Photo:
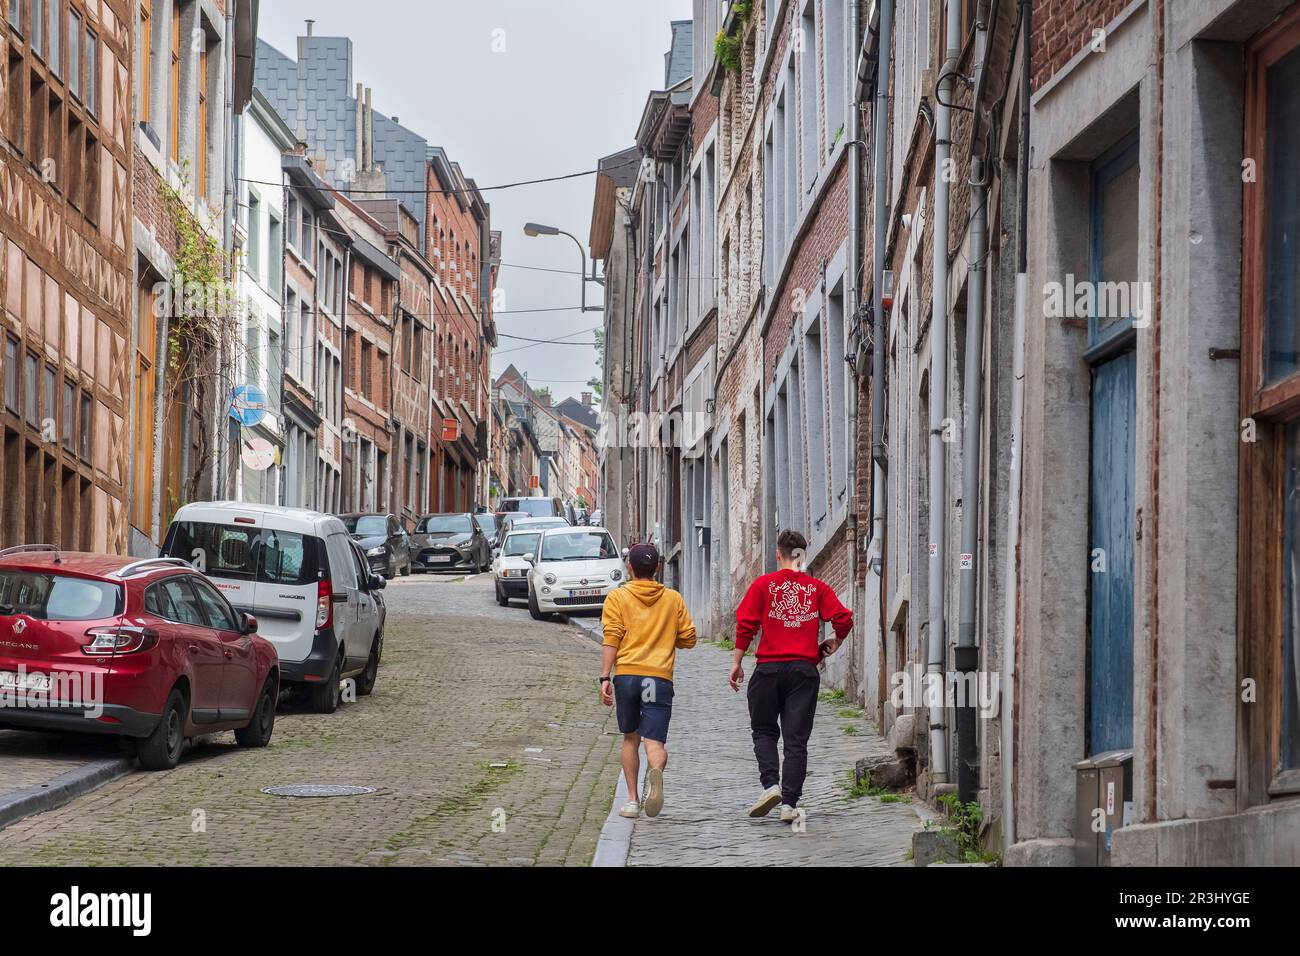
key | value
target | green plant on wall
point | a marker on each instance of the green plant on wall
(727, 49)
(197, 268)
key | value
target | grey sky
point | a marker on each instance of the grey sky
(568, 88)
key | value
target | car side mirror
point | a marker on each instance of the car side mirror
(249, 625)
(377, 583)
(625, 552)
(528, 558)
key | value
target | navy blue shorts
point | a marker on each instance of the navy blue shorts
(644, 705)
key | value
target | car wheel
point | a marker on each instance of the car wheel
(161, 750)
(501, 597)
(258, 731)
(366, 682)
(534, 610)
(325, 696)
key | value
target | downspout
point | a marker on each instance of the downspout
(939, 398)
(230, 167)
(967, 653)
(854, 297)
(880, 221)
(1010, 576)
(284, 339)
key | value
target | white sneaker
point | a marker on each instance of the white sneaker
(766, 801)
(654, 792)
(788, 813)
(630, 809)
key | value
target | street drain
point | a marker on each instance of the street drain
(318, 790)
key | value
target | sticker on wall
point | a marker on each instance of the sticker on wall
(967, 561)
(258, 454)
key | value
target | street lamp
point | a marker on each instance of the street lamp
(537, 229)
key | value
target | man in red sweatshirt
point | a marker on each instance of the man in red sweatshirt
(789, 607)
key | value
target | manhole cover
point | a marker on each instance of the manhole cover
(318, 790)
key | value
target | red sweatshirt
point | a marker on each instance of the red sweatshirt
(789, 606)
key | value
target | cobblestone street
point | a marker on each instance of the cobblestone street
(464, 685)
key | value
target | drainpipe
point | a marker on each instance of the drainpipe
(1010, 577)
(880, 214)
(939, 396)
(967, 654)
(854, 291)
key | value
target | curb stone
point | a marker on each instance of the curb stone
(62, 789)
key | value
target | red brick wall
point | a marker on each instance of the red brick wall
(1062, 28)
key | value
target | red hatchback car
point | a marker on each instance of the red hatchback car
(149, 650)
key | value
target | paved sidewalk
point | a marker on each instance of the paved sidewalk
(712, 778)
(41, 771)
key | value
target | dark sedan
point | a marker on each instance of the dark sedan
(383, 539)
(450, 542)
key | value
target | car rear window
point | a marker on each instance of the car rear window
(445, 524)
(488, 522)
(366, 525)
(537, 507)
(262, 555)
(57, 597)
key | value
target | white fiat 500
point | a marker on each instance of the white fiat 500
(510, 567)
(573, 569)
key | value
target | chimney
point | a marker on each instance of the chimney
(361, 127)
(311, 27)
(370, 131)
(586, 399)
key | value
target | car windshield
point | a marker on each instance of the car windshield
(241, 553)
(367, 525)
(578, 546)
(541, 524)
(57, 597)
(521, 543)
(487, 521)
(444, 524)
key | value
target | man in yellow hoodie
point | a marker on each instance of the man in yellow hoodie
(644, 624)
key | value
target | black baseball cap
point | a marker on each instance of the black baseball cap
(644, 558)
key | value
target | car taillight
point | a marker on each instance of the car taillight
(324, 604)
(127, 639)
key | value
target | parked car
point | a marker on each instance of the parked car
(581, 517)
(521, 519)
(510, 568)
(298, 572)
(450, 542)
(535, 507)
(573, 569)
(383, 539)
(489, 523)
(148, 650)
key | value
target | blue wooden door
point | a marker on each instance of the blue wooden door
(1111, 544)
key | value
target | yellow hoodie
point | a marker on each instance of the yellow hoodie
(647, 622)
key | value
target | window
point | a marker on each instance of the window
(87, 427)
(204, 119)
(836, 55)
(69, 416)
(254, 226)
(810, 105)
(16, 15)
(92, 72)
(74, 53)
(55, 19)
(275, 254)
(1270, 495)
(839, 395)
(814, 398)
(38, 28)
(31, 375)
(174, 138)
(216, 610)
(11, 375)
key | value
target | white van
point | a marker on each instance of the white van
(297, 573)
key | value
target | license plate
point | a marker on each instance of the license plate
(11, 681)
(440, 558)
(585, 592)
